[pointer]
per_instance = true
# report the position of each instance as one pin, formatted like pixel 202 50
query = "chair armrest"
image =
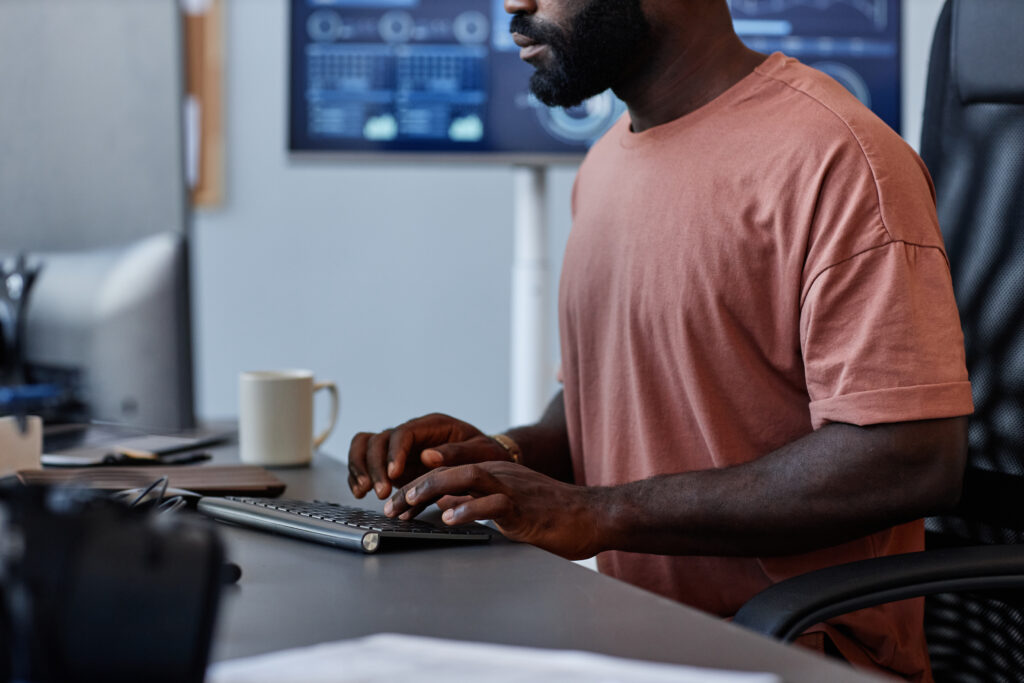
pixel 790 607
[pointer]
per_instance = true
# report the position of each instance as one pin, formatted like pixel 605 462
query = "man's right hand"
pixel 399 455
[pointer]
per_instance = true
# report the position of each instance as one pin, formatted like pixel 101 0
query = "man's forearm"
pixel 545 445
pixel 836 484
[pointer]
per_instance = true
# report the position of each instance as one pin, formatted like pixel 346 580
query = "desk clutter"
pixel 93 589
pixel 113 458
pixel 88 445
pixel 101 576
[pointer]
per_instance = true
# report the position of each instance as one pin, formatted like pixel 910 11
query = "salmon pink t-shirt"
pixel 738 278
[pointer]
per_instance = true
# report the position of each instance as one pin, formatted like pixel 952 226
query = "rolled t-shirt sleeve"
pixel 881 339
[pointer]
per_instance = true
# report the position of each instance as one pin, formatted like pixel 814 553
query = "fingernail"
pixel 410 496
pixel 432 458
pixel 381 490
pixel 388 507
pixel 393 470
pixel 449 515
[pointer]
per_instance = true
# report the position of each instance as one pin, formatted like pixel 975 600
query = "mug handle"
pixel 333 389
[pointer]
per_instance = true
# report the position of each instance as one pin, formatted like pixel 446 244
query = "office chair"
pixel 973 568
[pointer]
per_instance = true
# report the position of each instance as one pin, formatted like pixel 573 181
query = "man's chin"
pixel 560 99
pixel 555 92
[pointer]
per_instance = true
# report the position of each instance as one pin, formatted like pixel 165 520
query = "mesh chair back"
pixel 973 144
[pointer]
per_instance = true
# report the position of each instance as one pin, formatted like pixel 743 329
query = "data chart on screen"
pixel 443 77
pixel 438 76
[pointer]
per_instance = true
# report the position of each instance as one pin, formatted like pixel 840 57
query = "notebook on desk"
pixel 85 445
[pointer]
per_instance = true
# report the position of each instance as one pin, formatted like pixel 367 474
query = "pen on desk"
pixel 129 457
pixel 136 454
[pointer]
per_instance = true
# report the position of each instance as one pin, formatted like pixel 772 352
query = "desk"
pixel 294 593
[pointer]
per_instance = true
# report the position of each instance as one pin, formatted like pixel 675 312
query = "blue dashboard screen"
pixel 437 76
pixel 444 77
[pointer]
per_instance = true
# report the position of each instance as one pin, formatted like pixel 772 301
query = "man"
pixel 762 358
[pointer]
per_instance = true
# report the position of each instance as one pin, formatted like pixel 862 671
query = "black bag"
pixel 92 590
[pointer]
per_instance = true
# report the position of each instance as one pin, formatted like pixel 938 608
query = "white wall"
pixel 392 280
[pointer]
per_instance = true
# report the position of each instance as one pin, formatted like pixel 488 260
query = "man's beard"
pixel 592 56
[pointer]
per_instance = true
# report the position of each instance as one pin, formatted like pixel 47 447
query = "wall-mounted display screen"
pixel 424 76
pixel 444 77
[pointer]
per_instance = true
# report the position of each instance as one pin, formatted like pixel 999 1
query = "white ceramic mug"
pixel 276 417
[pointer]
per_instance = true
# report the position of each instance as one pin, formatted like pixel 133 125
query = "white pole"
pixel 531 365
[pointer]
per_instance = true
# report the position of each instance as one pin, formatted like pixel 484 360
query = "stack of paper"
pixel 389 657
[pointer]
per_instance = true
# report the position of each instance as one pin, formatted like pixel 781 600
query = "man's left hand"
pixel 527 506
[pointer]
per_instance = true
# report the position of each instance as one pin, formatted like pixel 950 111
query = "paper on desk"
pixel 390 657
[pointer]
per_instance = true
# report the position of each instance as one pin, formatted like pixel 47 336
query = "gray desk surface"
pixel 294 593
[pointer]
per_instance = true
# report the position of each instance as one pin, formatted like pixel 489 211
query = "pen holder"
pixel 21 444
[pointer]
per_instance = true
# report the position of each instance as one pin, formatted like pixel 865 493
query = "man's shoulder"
pixel 782 104
pixel 815 103
pixel 787 134
pixel 850 146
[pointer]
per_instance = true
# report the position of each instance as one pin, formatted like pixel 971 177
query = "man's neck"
pixel 687 68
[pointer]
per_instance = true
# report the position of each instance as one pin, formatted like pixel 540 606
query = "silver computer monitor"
pixel 93 187
pixel 112 326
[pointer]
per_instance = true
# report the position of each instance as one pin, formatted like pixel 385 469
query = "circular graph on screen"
pixel 324 25
pixel 396 27
pixel 471 27
pixel 583 123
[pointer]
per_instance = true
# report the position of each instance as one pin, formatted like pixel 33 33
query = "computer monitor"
pixel 111 326
pixel 93 188
pixel 443 78
pixel 438 77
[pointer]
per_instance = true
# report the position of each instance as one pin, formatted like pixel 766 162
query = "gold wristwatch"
pixel 506 442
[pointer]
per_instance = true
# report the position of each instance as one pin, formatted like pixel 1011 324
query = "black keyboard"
pixel 343 526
